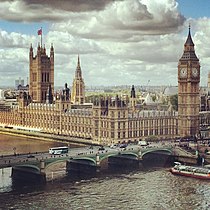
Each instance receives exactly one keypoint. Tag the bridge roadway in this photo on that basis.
(75, 153)
(35, 166)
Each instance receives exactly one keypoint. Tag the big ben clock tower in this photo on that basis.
(188, 90)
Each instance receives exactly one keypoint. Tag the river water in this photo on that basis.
(151, 188)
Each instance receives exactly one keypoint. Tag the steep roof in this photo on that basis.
(189, 40)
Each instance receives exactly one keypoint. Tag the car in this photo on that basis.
(143, 143)
(101, 148)
(123, 145)
(30, 156)
(113, 146)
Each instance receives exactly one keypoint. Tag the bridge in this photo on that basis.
(85, 160)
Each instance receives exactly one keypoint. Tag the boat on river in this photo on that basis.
(191, 171)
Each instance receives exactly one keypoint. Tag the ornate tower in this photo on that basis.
(78, 87)
(188, 90)
(41, 69)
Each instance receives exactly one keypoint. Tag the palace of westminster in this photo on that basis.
(107, 120)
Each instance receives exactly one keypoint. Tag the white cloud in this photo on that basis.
(122, 42)
(123, 20)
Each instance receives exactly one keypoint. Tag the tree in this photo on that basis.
(174, 101)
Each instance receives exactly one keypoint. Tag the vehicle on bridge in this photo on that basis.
(143, 143)
(58, 150)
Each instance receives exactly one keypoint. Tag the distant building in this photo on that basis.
(2, 95)
(170, 91)
(19, 82)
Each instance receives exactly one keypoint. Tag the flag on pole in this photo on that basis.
(39, 32)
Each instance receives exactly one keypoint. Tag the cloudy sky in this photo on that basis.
(120, 42)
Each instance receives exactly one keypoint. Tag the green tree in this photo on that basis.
(154, 97)
(174, 101)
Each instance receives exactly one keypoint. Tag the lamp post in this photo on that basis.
(14, 149)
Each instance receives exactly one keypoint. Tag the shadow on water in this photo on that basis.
(23, 187)
(150, 162)
(156, 160)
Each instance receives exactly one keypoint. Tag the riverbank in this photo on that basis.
(47, 137)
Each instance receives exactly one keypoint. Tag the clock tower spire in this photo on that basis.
(188, 90)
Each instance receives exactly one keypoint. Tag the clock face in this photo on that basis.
(194, 72)
(183, 72)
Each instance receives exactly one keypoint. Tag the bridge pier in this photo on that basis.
(81, 168)
(157, 159)
(24, 175)
(139, 154)
(97, 163)
(29, 174)
(121, 161)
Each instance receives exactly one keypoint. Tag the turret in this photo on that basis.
(51, 51)
(78, 87)
(31, 52)
(63, 102)
(133, 100)
(133, 93)
(78, 72)
(49, 97)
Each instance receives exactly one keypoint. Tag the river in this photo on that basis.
(151, 188)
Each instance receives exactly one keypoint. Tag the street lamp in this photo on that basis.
(14, 149)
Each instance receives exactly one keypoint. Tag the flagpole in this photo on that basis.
(41, 37)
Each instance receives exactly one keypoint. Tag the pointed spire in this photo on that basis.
(189, 51)
(78, 72)
(31, 50)
(189, 40)
(78, 62)
(51, 49)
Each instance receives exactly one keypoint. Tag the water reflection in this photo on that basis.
(153, 188)
(17, 144)
(6, 181)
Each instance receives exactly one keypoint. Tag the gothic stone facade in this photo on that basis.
(107, 122)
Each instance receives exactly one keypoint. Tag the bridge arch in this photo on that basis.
(163, 151)
(88, 159)
(31, 168)
(119, 153)
(50, 164)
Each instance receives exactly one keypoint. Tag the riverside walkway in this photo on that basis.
(47, 136)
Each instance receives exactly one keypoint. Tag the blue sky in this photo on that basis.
(112, 38)
(194, 8)
(25, 28)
